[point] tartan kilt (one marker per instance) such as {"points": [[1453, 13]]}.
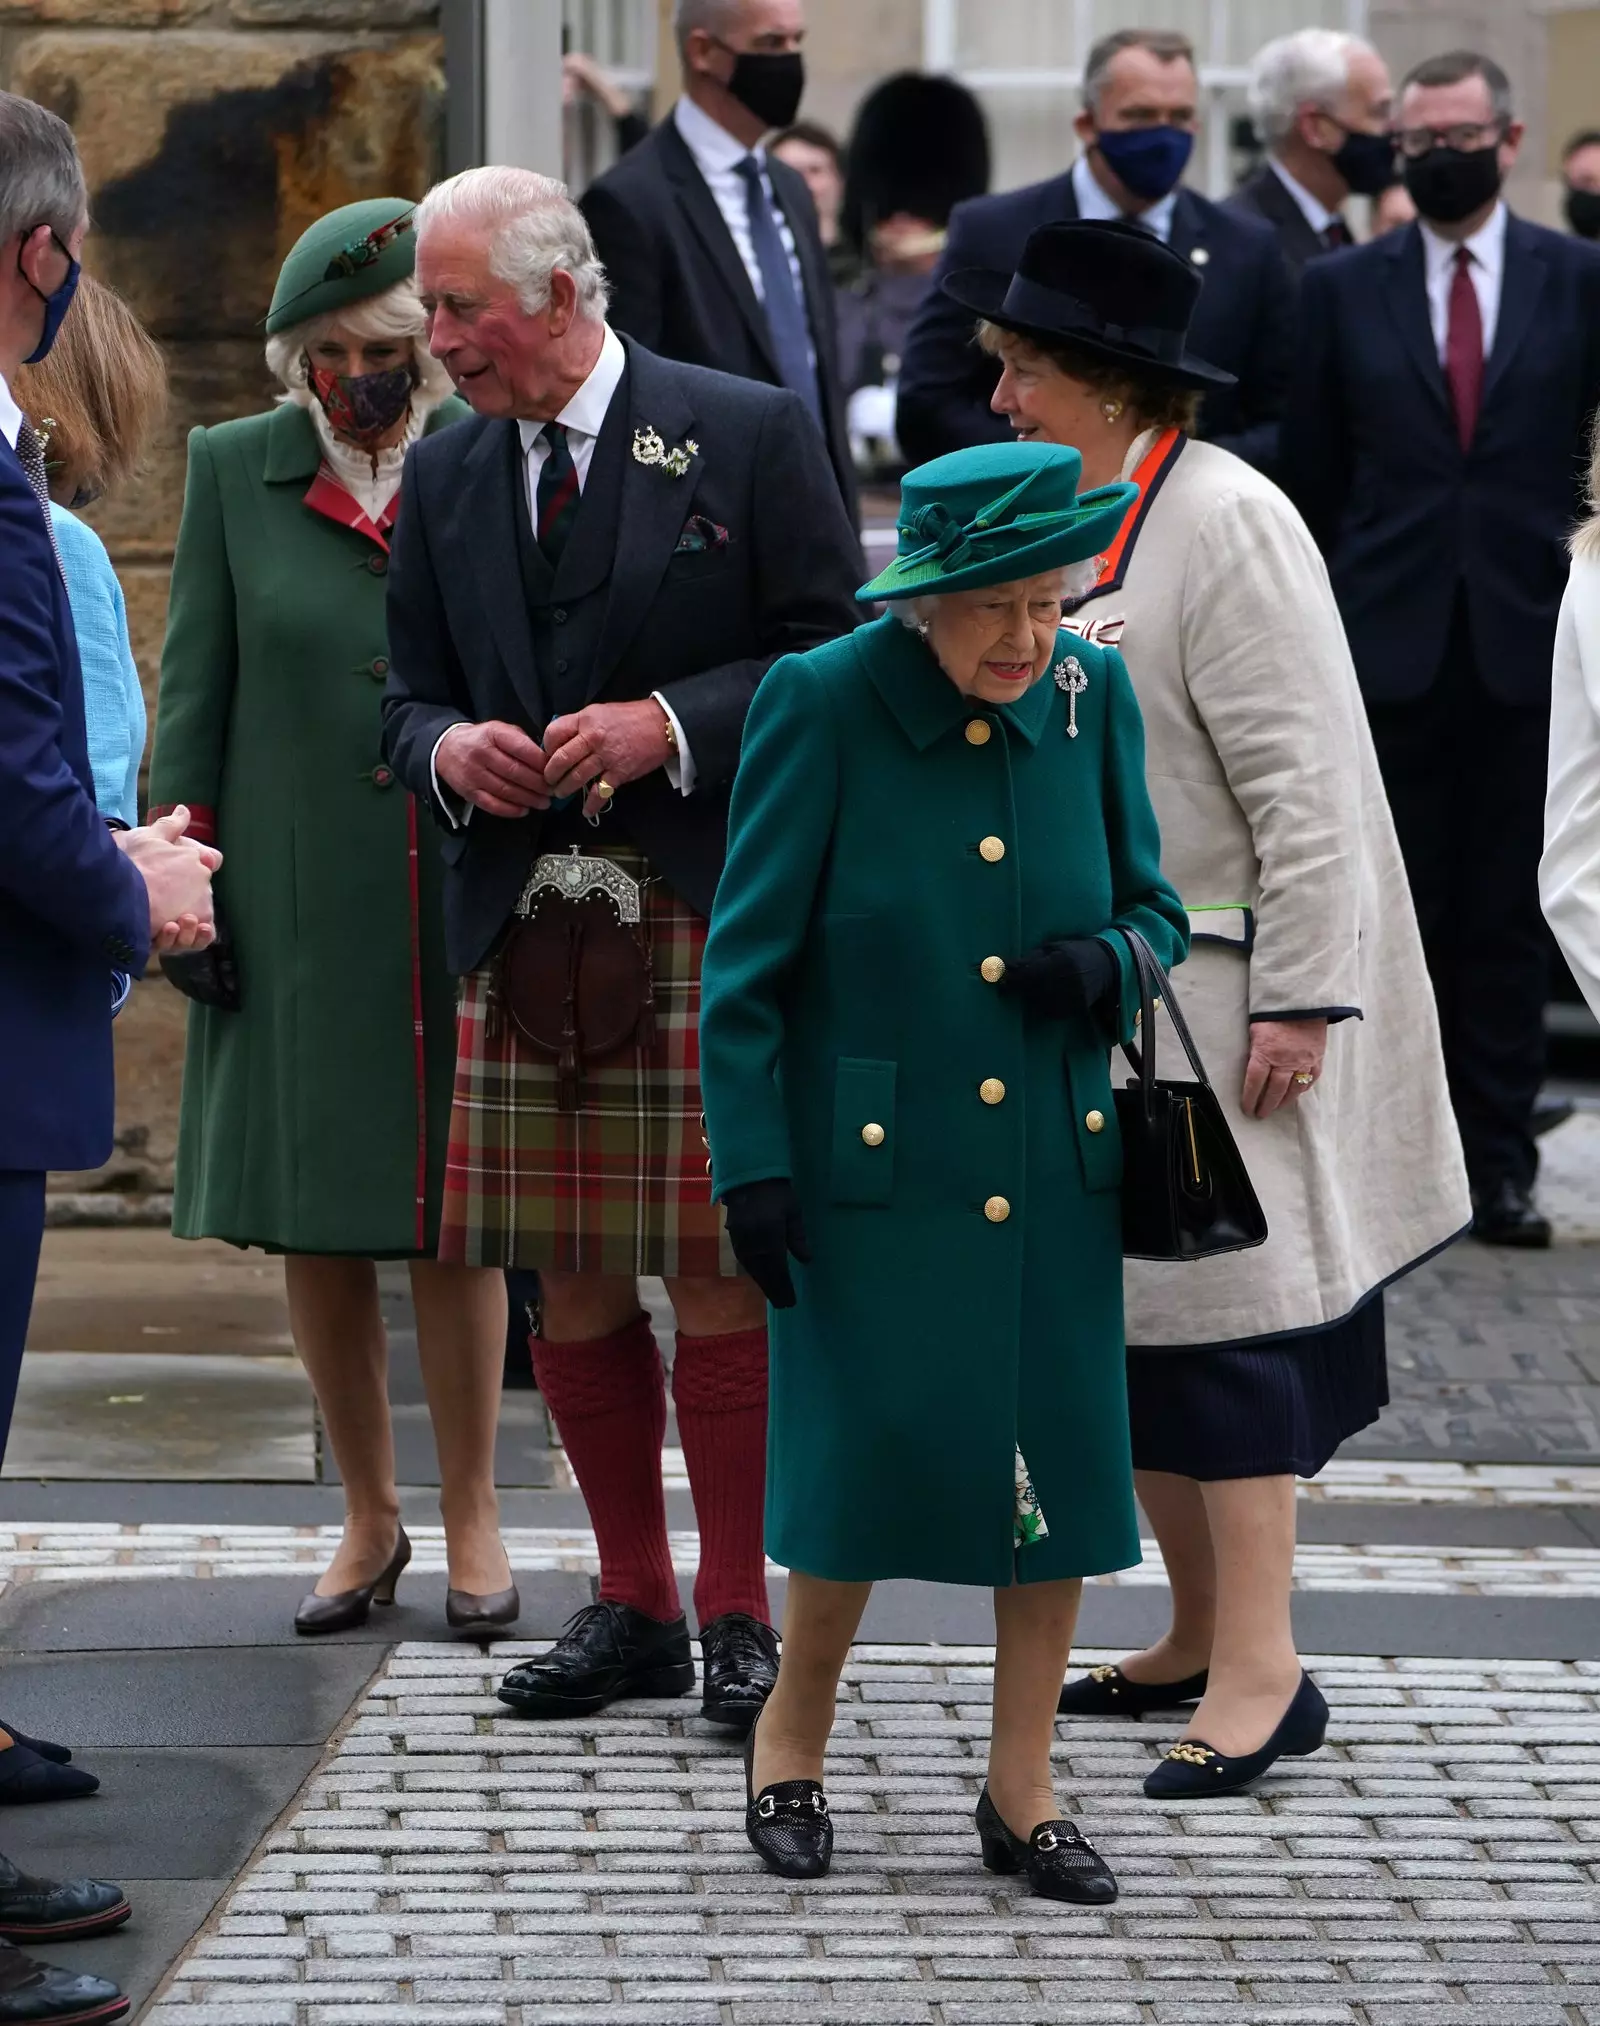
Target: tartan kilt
{"points": [[621, 1185]]}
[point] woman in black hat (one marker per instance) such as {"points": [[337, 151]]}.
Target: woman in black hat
{"points": [[1307, 990]]}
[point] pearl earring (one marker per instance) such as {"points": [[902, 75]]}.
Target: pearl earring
{"points": [[1111, 410]]}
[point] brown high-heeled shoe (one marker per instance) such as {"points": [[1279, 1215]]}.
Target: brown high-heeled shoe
{"points": [[475, 1617], [347, 1608]]}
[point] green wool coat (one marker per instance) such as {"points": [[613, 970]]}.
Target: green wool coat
{"points": [[956, 1160], [315, 1118]]}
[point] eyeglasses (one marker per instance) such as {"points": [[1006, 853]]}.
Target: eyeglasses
{"points": [[1467, 137]]}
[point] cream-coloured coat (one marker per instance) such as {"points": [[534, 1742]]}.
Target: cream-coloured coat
{"points": [[1266, 785], [1569, 874]]}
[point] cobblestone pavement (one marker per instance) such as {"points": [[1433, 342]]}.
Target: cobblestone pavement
{"points": [[1438, 1862]]}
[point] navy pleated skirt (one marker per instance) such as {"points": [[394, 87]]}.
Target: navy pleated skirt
{"points": [[1278, 1407]]}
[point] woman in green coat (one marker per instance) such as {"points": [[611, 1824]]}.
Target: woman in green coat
{"points": [[911, 991], [317, 1083]]}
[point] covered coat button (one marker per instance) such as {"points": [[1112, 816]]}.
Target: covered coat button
{"points": [[873, 1135], [380, 664], [991, 1090], [997, 1209], [993, 970], [1096, 1121], [993, 849], [378, 566], [978, 732], [382, 777]]}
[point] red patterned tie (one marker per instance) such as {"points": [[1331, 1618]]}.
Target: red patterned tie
{"points": [[1463, 348]]}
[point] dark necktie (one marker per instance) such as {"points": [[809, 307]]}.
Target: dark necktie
{"points": [[557, 501], [786, 310], [1463, 348], [1336, 234], [30, 455]]}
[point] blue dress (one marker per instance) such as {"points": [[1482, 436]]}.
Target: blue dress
{"points": [[113, 703]]}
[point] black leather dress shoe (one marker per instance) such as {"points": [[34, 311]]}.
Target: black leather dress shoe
{"points": [[1506, 1215], [1058, 1860], [1107, 1691], [740, 1668], [605, 1652], [1549, 1113], [26, 1777], [34, 1994], [43, 1910], [1194, 1771], [788, 1823], [58, 1755]]}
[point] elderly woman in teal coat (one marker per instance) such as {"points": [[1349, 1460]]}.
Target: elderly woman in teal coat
{"points": [[912, 989]]}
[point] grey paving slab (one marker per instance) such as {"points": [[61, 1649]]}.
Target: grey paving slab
{"points": [[1441, 1526], [166, 1913], [205, 1696]]}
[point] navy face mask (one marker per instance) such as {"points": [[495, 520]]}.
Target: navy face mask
{"points": [[56, 304], [1365, 161], [1146, 160]]}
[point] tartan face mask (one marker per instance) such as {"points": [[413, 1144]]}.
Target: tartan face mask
{"points": [[362, 407]]}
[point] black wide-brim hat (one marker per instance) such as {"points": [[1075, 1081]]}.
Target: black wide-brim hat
{"points": [[1107, 288]]}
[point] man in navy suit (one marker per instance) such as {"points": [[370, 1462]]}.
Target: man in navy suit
{"points": [[1436, 442], [1141, 101]]}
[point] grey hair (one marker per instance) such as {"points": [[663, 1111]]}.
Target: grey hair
{"points": [[41, 178], [1310, 67], [534, 230], [1076, 580], [1167, 45], [395, 312], [712, 15]]}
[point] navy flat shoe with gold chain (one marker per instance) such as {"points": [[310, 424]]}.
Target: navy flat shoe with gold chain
{"points": [[1107, 1691], [1194, 1770]]}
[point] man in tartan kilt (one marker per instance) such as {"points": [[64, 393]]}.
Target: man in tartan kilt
{"points": [[589, 580]]}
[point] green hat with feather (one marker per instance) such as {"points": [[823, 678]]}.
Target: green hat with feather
{"points": [[354, 252]]}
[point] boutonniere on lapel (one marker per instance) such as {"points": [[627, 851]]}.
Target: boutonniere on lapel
{"points": [[1072, 682], [649, 449]]}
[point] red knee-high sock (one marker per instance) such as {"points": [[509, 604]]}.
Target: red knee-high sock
{"points": [[609, 1400], [719, 1385]]}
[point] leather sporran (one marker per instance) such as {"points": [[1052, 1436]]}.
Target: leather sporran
{"points": [[574, 972], [1186, 1193]]}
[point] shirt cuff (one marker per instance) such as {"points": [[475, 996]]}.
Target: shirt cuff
{"points": [[454, 806], [679, 763]]}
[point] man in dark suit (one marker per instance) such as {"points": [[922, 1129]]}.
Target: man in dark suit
{"points": [[1436, 442], [1322, 103], [73, 908], [710, 244], [587, 585], [1137, 128]]}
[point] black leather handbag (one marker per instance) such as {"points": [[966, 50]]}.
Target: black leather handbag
{"points": [[1185, 1190]]}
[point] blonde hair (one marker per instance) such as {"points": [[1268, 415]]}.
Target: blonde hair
{"points": [[103, 389], [1586, 537], [395, 312]]}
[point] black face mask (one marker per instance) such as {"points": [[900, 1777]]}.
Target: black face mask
{"points": [[1449, 184], [1582, 209], [1365, 161], [770, 86]]}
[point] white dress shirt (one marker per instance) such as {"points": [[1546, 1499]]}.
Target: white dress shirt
{"points": [[10, 414], [1094, 203], [1487, 246], [717, 156], [582, 418], [1312, 209]]}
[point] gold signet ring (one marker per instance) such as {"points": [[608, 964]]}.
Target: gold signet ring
{"points": [[604, 790]]}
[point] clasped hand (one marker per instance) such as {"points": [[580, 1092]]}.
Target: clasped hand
{"points": [[500, 769], [176, 871]]}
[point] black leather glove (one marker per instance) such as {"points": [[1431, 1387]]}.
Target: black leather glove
{"points": [[764, 1227], [1065, 979], [210, 977]]}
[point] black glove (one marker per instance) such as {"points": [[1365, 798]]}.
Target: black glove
{"points": [[764, 1227], [210, 977], [1065, 979]]}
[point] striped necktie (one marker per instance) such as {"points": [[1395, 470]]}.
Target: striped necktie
{"points": [[30, 455], [557, 499]]}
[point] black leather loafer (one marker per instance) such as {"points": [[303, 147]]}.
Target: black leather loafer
{"points": [[43, 1910], [605, 1652], [25, 1777], [35, 1994], [1107, 1691], [346, 1608], [740, 1667], [1507, 1215], [1058, 1860], [788, 1823], [1193, 1771], [58, 1755]]}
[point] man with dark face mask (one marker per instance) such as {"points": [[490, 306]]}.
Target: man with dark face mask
{"points": [[710, 243], [1580, 177], [1321, 101], [1136, 128], [1436, 440]]}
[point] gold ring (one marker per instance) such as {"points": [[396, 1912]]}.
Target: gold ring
{"points": [[604, 790], [1304, 1078]]}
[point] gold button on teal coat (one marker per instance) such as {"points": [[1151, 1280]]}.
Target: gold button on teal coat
{"points": [[965, 1293]]}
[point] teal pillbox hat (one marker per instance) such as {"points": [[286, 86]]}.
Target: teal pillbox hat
{"points": [[355, 252], [994, 513]]}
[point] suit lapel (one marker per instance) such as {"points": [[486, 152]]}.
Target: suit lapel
{"points": [[1406, 292], [1522, 278], [488, 507], [652, 510], [708, 225]]}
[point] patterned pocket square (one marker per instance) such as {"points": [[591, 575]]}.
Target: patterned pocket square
{"points": [[699, 534]]}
